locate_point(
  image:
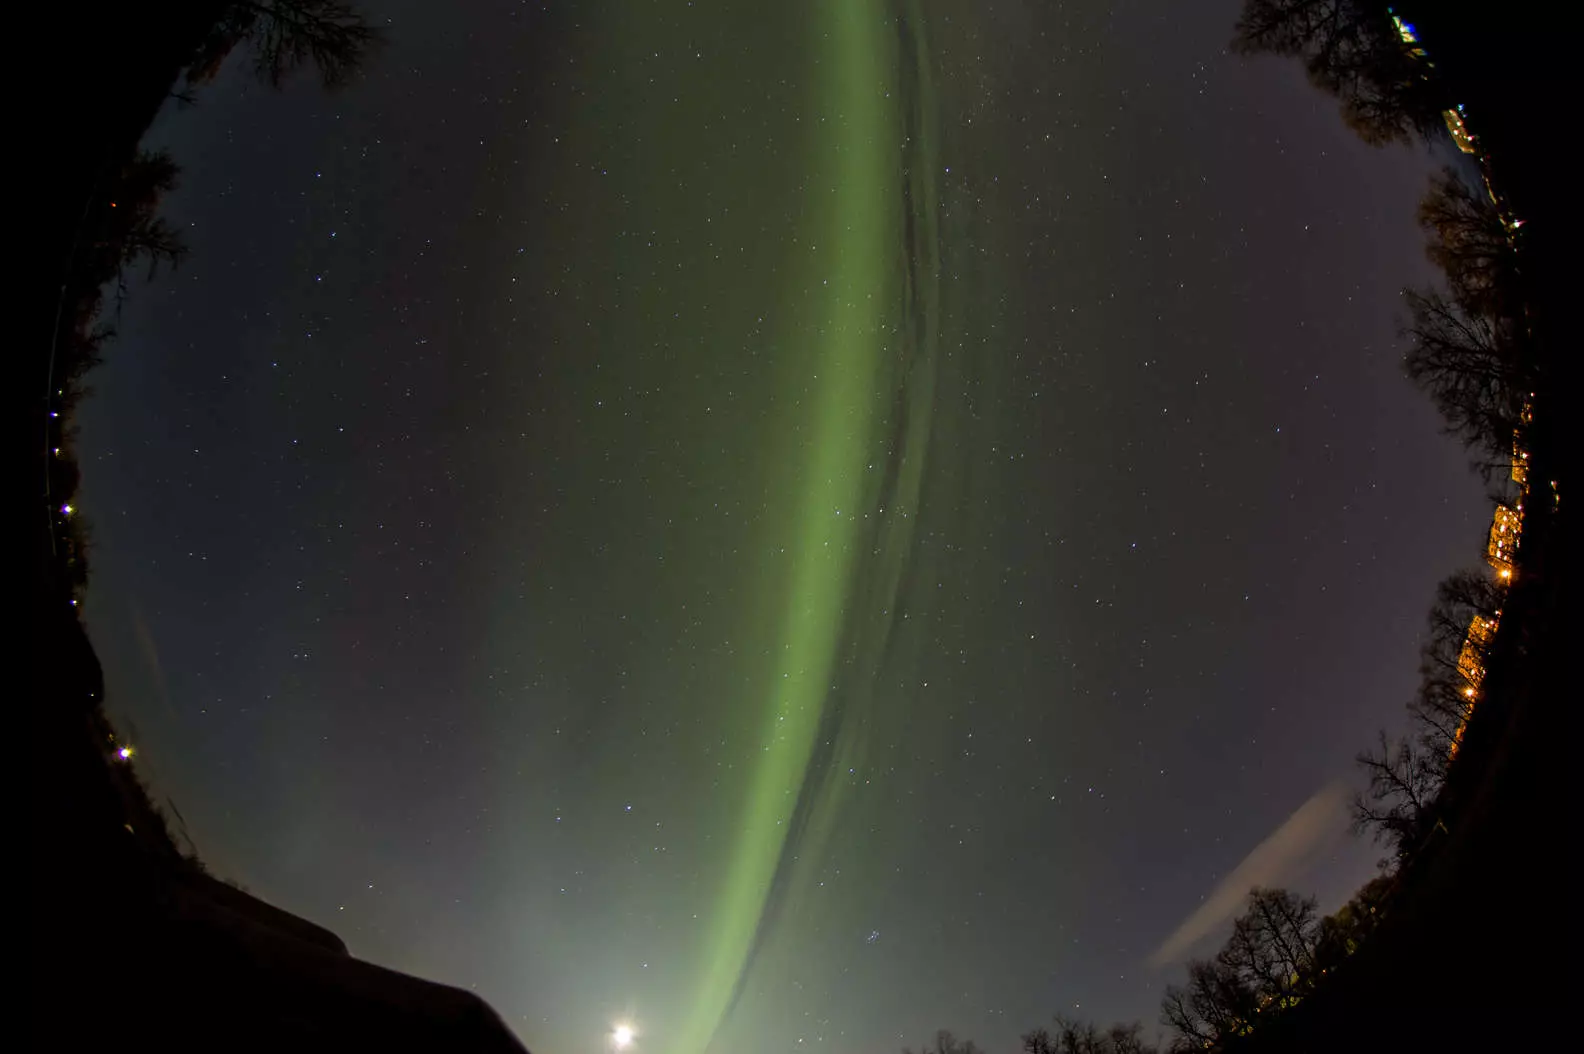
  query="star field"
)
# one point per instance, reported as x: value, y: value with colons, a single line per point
x: 793, y: 526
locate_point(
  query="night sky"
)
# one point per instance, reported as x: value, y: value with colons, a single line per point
x: 788, y: 525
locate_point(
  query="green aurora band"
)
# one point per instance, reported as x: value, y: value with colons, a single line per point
x: 869, y: 422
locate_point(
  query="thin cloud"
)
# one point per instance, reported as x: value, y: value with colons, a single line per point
x: 1271, y: 863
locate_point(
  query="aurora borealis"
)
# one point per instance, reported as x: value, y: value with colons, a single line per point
x: 842, y: 514
x: 787, y: 525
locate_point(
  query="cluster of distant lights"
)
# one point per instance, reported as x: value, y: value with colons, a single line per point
x: 1506, y: 529
x: 1454, y: 118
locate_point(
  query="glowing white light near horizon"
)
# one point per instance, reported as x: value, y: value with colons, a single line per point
x: 124, y: 753
x: 622, y: 1036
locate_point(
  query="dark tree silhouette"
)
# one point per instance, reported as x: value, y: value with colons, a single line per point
x: 1471, y: 350
x: 1272, y: 946
x: 1267, y: 965
x: 1081, y: 1037
x: 1453, y: 658
x: 120, y: 227
x: 1069, y: 1037
x: 1343, y: 933
x: 129, y: 233
x: 138, y: 234
x: 1213, y: 1006
x: 1470, y: 244
x: 1352, y: 50
x: 1403, y: 780
x: 1471, y: 368
x: 285, y: 35
x: 946, y: 1043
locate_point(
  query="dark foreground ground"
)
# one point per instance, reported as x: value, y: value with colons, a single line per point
x: 1478, y: 951
x: 129, y: 945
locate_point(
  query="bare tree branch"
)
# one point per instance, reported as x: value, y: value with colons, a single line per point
x: 1470, y: 368
x: 1351, y: 49
x: 1403, y: 780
